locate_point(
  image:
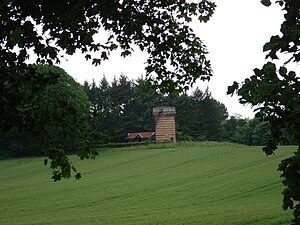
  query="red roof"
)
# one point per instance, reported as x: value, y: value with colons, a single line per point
x: 143, y: 135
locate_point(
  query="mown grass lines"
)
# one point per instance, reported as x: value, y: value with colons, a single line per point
x: 187, y: 184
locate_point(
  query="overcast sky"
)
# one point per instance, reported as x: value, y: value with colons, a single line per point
x: 234, y: 37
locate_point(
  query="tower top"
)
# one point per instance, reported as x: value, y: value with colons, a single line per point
x: 164, y: 111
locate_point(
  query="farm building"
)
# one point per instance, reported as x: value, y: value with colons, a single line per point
x: 141, y: 136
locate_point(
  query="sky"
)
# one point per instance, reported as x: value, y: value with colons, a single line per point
x: 234, y: 37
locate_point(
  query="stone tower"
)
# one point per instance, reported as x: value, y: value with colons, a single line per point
x: 165, y: 123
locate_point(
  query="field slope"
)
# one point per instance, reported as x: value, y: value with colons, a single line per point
x: 201, y: 184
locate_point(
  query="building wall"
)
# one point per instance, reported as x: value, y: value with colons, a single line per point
x: 165, y: 123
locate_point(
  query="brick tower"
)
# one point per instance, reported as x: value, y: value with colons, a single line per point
x: 165, y: 123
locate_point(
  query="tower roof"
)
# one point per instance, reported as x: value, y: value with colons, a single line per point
x: 164, y: 111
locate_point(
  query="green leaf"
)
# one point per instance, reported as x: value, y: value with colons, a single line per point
x: 282, y: 71
x: 88, y: 56
x: 15, y: 36
x: 272, y: 55
x: 292, y: 75
x: 104, y: 56
x: 268, y: 46
x: 231, y: 89
x: 257, y: 72
x: 113, y: 46
x: 125, y: 53
x: 96, y: 62
x: 266, y: 2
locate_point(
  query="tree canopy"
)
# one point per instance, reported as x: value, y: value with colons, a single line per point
x: 52, y: 29
x: 177, y: 57
x: 125, y: 105
x: 275, y: 92
x: 57, y: 122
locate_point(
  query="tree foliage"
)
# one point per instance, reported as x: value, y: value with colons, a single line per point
x: 245, y: 131
x: 56, y: 122
x: 129, y: 104
x: 200, y: 116
x: 276, y: 94
x: 63, y: 110
x: 176, y: 56
x: 51, y: 29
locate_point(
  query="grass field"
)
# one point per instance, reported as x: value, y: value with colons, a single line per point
x: 197, y: 184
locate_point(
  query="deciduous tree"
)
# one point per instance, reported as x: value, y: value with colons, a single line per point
x: 56, y: 122
x: 176, y: 55
x: 58, y: 27
x: 276, y: 94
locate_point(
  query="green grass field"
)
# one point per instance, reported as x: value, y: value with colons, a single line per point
x: 197, y: 184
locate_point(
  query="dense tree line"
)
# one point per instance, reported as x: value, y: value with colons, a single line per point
x: 73, y: 115
x: 125, y: 105
x: 245, y: 131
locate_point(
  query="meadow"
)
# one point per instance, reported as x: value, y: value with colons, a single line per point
x: 210, y: 183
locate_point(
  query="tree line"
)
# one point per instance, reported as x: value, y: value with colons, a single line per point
x: 125, y: 105
x: 105, y: 112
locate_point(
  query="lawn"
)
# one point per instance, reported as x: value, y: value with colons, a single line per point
x: 214, y: 183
